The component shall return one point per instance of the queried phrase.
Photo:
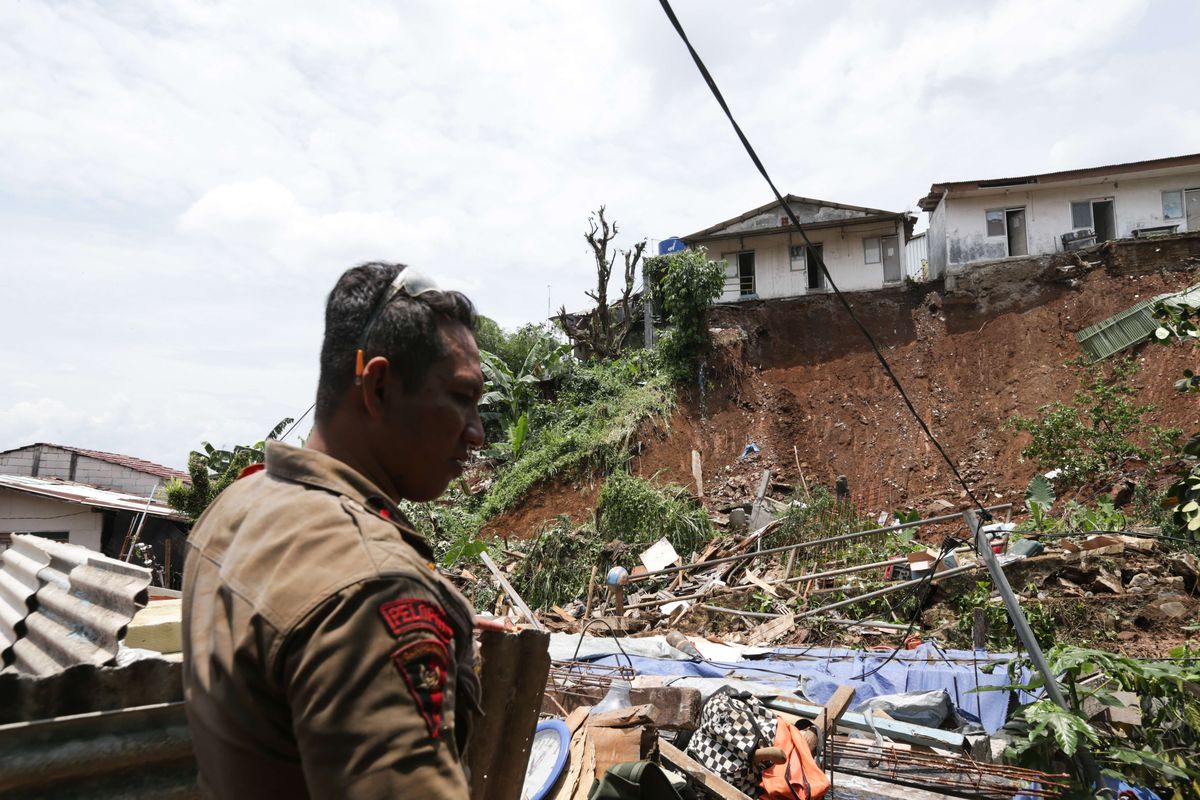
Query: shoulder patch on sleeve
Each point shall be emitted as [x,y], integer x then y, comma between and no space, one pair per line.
[409,614]
[424,665]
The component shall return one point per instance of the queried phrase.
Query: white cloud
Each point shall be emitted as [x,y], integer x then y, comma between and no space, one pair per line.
[183,181]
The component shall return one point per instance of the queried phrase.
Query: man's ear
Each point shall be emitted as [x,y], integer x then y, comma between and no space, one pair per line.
[375,386]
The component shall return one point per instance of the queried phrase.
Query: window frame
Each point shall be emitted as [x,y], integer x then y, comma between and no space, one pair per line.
[878,249]
[1182,194]
[987,223]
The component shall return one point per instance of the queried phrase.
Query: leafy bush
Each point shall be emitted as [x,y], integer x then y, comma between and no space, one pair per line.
[1098,431]
[597,413]
[637,513]
[212,470]
[688,283]
[558,564]
[1159,753]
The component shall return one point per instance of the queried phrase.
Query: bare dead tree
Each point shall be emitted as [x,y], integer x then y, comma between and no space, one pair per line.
[604,329]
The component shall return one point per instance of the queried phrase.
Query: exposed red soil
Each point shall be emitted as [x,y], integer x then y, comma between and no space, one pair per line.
[544,504]
[798,374]
[966,370]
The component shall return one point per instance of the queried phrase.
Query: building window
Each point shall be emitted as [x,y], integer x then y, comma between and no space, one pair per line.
[798,261]
[871,251]
[1172,203]
[1081,214]
[995,223]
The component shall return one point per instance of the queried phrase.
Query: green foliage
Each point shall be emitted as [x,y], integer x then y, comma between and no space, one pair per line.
[638,514]
[489,335]
[687,284]
[1159,753]
[599,409]
[1183,496]
[508,394]
[1099,430]
[212,470]
[818,514]
[557,566]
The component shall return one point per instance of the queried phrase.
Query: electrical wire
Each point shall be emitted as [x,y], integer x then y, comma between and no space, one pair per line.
[297,422]
[712,85]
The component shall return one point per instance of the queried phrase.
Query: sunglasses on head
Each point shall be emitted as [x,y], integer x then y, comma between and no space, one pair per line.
[412,283]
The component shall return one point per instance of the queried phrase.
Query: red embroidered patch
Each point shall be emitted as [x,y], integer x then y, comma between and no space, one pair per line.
[410,614]
[424,667]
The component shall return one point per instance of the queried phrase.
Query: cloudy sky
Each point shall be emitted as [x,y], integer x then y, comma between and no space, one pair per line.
[182,182]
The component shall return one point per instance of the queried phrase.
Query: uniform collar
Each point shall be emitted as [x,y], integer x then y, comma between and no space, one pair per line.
[321,471]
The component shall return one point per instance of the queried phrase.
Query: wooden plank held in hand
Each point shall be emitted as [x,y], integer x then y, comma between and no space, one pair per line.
[513,670]
[509,590]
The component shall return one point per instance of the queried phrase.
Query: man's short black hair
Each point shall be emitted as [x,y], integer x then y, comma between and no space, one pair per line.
[406,332]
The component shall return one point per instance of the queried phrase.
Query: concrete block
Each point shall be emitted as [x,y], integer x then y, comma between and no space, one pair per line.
[157,627]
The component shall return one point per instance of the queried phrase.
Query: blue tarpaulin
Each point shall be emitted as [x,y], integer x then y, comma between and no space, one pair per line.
[815,674]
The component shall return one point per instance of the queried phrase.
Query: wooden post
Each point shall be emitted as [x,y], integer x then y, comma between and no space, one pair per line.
[167,563]
[513,670]
[587,610]
[698,474]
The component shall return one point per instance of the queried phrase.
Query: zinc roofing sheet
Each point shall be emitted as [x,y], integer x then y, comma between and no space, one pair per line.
[87,495]
[1132,326]
[78,615]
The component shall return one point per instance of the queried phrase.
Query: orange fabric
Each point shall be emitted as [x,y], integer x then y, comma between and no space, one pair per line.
[798,776]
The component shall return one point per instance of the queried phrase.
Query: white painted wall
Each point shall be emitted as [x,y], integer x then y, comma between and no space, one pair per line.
[1136,203]
[55,462]
[25,513]
[843,254]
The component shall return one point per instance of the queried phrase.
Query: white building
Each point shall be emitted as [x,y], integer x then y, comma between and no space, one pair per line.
[85,497]
[984,220]
[863,249]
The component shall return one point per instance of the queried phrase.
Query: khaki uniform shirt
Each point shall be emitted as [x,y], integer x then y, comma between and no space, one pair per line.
[324,656]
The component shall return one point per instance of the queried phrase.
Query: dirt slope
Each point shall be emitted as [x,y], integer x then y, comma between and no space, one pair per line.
[798,374]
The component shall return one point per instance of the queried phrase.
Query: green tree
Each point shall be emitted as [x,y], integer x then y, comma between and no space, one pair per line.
[1101,428]
[508,393]
[213,469]
[687,284]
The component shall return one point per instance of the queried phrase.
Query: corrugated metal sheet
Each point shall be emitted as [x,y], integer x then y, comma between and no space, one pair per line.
[127,753]
[19,567]
[84,689]
[916,258]
[88,495]
[79,613]
[1132,326]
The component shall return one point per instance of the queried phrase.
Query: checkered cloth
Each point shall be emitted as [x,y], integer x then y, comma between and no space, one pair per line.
[732,726]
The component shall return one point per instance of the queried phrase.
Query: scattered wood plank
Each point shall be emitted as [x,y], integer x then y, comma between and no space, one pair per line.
[771,630]
[708,780]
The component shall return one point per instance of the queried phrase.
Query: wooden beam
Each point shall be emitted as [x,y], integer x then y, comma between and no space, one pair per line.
[712,783]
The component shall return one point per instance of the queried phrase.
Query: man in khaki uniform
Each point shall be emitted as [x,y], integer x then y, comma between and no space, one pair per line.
[324,656]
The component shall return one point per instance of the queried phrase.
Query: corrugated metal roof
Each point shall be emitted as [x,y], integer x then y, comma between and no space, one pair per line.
[138,464]
[1132,326]
[88,495]
[19,567]
[125,753]
[930,201]
[79,613]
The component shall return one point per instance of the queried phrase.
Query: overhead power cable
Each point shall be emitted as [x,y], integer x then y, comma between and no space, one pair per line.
[811,251]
